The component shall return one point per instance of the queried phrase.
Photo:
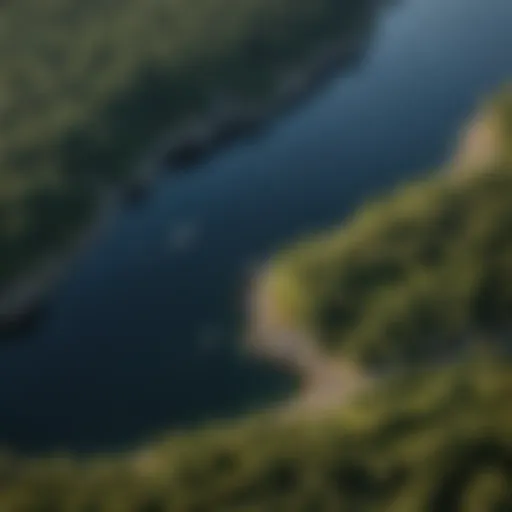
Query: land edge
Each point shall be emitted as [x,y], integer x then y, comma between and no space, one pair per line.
[23,297]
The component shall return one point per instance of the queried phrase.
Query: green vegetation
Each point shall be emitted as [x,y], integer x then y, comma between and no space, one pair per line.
[423,274]
[86,86]
[426,442]
[416,275]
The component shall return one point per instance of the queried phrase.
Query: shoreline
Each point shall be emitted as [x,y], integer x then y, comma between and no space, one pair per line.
[192,142]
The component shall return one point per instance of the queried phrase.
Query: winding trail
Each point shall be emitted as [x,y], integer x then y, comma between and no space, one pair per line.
[478,146]
[326,382]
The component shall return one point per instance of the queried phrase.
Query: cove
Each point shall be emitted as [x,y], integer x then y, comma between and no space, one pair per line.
[143,334]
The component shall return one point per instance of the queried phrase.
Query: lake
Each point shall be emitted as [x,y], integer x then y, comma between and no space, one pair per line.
[144,332]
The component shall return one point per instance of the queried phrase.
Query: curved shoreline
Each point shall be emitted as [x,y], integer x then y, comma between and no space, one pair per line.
[199,138]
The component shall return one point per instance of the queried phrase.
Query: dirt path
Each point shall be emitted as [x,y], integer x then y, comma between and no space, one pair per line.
[326,382]
[478,146]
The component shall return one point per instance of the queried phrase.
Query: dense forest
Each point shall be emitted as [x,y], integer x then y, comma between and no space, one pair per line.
[86,86]
[425,271]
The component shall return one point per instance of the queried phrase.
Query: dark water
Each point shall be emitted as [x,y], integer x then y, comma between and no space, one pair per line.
[124,350]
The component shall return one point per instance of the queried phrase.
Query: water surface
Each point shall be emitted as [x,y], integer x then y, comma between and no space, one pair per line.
[142,335]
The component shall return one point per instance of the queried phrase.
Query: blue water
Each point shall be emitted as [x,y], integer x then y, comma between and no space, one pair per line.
[121,354]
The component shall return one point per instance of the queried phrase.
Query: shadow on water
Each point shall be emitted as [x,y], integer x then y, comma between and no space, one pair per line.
[19,326]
